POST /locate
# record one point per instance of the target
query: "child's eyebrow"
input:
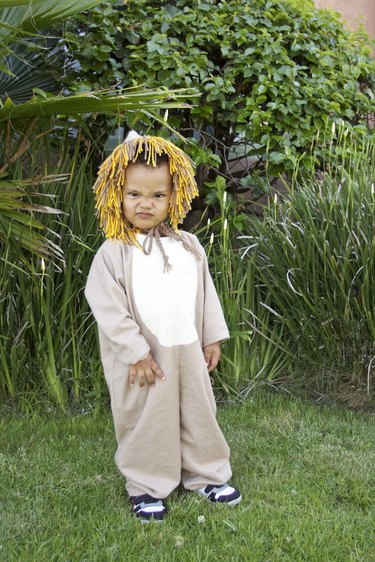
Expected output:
(129, 188)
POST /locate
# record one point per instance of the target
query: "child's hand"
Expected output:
(146, 370)
(212, 355)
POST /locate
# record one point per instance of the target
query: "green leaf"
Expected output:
(276, 157)
(95, 102)
(12, 3)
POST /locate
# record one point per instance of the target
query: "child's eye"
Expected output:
(159, 195)
(133, 194)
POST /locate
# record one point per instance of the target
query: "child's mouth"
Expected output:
(144, 215)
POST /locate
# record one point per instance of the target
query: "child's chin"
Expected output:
(146, 226)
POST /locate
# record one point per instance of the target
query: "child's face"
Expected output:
(146, 194)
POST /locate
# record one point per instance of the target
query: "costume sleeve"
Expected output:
(214, 326)
(106, 294)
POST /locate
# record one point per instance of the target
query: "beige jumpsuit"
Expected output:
(166, 433)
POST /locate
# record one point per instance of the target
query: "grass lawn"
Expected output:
(307, 475)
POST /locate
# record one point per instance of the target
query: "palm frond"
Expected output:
(35, 15)
(24, 70)
(18, 18)
(95, 102)
(12, 3)
(17, 225)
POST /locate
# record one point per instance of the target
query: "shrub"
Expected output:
(270, 73)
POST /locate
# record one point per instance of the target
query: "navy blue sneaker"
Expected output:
(221, 494)
(147, 508)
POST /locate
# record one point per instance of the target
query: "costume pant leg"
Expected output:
(168, 432)
(204, 451)
(147, 428)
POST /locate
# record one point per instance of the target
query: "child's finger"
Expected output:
(158, 372)
(132, 375)
(150, 375)
(141, 377)
(208, 358)
(213, 361)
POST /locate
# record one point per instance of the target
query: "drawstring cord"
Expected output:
(156, 233)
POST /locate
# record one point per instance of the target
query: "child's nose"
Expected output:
(145, 202)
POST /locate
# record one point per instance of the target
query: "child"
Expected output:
(160, 326)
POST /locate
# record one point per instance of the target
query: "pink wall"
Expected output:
(354, 12)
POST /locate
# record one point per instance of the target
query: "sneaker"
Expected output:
(146, 507)
(221, 494)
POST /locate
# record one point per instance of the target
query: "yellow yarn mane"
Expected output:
(111, 177)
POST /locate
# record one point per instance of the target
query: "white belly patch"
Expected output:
(166, 300)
